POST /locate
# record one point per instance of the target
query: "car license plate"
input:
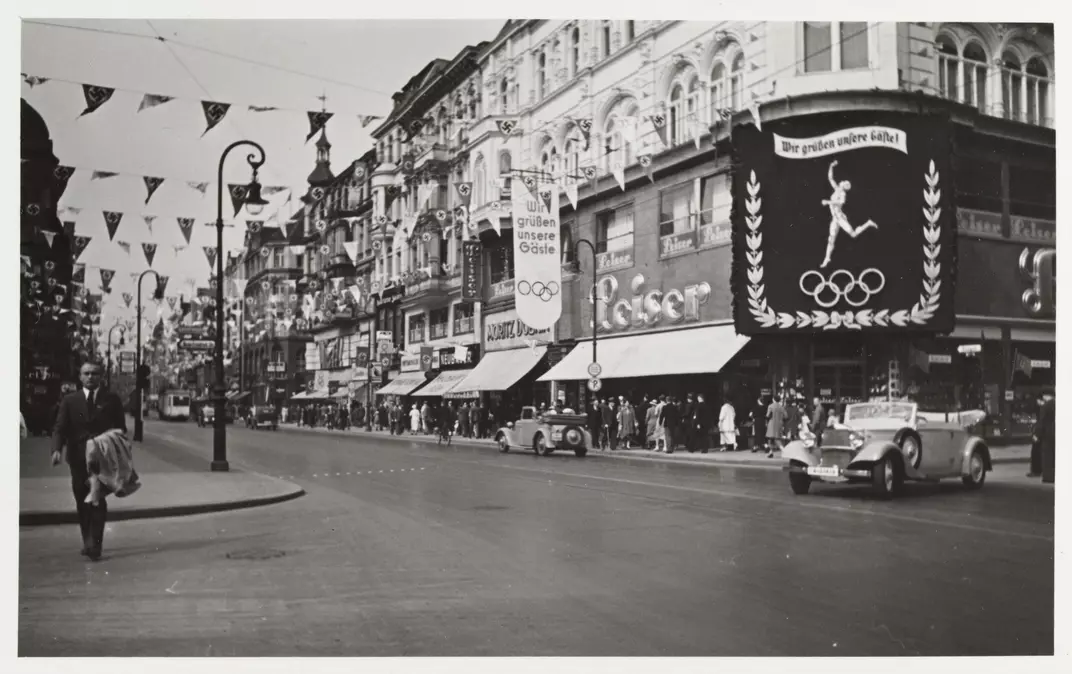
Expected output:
(823, 471)
(556, 435)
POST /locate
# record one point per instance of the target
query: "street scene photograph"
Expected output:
(529, 338)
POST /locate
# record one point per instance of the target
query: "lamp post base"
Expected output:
(220, 467)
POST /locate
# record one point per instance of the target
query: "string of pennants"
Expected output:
(214, 111)
(63, 174)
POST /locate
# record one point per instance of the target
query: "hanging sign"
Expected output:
(471, 276)
(537, 255)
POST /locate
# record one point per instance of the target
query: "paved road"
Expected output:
(402, 548)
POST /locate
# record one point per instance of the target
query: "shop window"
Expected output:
(416, 329)
(575, 51)
(978, 184)
(463, 318)
(501, 261)
(565, 237)
(614, 230)
(1033, 192)
(715, 199)
(437, 323)
(675, 210)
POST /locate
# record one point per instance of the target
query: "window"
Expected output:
(505, 167)
(676, 121)
(975, 76)
(1038, 92)
(565, 237)
(463, 318)
(978, 184)
(501, 259)
(948, 60)
(720, 98)
(504, 96)
(1032, 192)
(605, 39)
(675, 210)
(824, 53)
(277, 258)
(572, 157)
(541, 76)
(479, 181)
(737, 82)
(416, 328)
(630, 31)
(437, 320)
(618, 150)
(614, 230)
(715, 200)
(575, 51)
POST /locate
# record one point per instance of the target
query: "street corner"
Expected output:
(46, 501)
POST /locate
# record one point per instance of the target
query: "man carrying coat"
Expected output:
(82, 415)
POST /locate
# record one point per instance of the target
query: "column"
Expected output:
(994, 73)
(1023, 93)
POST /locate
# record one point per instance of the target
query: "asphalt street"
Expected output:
(408, 549)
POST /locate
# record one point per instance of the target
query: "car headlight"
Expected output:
(856, 440)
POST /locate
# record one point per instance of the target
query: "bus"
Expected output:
(174, 406)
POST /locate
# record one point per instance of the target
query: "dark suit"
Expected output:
(76, 423)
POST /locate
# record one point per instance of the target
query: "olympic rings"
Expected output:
(825, 287)
(539, 289)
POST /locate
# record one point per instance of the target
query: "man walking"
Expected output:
(82, 415)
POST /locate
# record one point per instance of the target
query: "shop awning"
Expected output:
(235, 396)
(499, 370)
(301, 396)
(654, 354)
(403, 384)
(443, 384)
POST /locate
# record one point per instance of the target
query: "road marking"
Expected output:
(336, 474)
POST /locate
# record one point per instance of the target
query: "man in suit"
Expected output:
(85, 414)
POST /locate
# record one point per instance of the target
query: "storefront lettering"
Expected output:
(1040, 269)
(647, 309)
(614, 259)
(507, 331)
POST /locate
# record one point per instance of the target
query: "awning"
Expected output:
(653, 354)
(341, 393)
(301, 396)
(403, 384)
(235, 397)
(499, 370)
(444, 383)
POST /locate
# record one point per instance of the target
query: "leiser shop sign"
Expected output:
(507, 331)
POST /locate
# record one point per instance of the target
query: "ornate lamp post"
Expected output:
(254, 205)
(138, 377)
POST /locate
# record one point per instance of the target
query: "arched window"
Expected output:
(1012, 85)
(480, 178)
(572, 159)
(630, 31)
(575, 51)
(677, 110)
(548, 160)
(720, 95)
(605, 39)
(948, 68)
(692, 102)
(505, 166)
(1037, 83)
(541, 76)
(619, 149)
(975, 76)
(737, 81)
(504, 96)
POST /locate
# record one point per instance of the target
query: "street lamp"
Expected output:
(595, 293)
(254, 205)
(122, 331)
(137, 357)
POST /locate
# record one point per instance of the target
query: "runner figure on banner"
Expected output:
(838, 219)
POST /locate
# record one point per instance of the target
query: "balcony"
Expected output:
(351, 208)
(422, 289)
(434, 152)
(463, 326)
(437, 331)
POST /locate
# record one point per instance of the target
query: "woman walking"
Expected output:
(414, 420)
(727, 427)
(626, 424)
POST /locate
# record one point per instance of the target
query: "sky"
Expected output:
(357, 65)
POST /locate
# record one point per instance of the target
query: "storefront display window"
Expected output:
(614, 230)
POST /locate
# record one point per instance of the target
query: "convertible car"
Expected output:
(545, 433)
(886, 443)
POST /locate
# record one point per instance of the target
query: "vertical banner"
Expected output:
(471, 268)
(426, 358)
(537, 256)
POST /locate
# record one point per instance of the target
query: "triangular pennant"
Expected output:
(210, 255)
(186, 226)
(171, 302)
(127, 299)
(530, 183)
(753, 107)
(645, 163)
(125, 246)
(106, 277)
(696, 126)
(95, 97)
(101, 175)
(112, 218)
(200, 187)
(506, 127)
(585, 127)
(571, 194)
(150, 252)
(238, 196)
(367, 119)
(153, 100)
(214, 114)
(351, 249)
(75, 210)
(465, 192)
(545, 197)
(80, 243)
(33, 80)
(273, 189)
(79, 274)
(149, 221)
(658, 122)
(619, 174)
(317, 120)
(151, 184)
(161, 283)
(63, 174)
(49, 237)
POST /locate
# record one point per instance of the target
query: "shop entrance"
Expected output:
(839, 373)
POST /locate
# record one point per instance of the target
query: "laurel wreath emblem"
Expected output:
(920, 313)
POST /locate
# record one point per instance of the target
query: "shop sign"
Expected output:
(614, 259)
(410, 363)
(469, 355)
(320, 380)
(940, 358)
(1040, 270)
(641, 307)
(471, 271)
(681, 242)
(358, 375)
(393, 294)
(502, 288)
(715, 234)
(988, 224)
(1044, 364)
(844, 223)
(506, 331)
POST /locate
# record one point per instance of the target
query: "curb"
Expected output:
(48, 517)
(621, 454)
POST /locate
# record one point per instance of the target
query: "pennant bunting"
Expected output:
(214, 114)
(186, 226)
(171, 302)
(149, 249)
(645, 163)
(95, 97)
(238, 196)
(33, 80)
(101, 175)
(753, 107)
(317, 120)
(125, 246)
(49, 237)
(149, 221)
(210, 255)
(254, 226)
(63, 175)
(112, 218)
(658, 123)
(127, 299)
(78, 275)
(619, 174)
(1022, 363)
(571, 194)
(584, 125)
(151, 184)
(262, 108)
(200, 187)
(153, 100)
(106, 278)
(80, 243)
(367, 119)
(161, 282)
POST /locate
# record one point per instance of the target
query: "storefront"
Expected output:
(450, 367)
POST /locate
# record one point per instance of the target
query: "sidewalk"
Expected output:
(168, 489)
(998, 455)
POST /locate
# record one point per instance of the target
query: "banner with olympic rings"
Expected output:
(537, 254)
(844, 222)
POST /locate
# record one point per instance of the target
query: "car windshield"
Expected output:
(879, 410)
(180, 400)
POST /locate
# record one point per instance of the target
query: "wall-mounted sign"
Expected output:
(426, 358)
(506, 331)
(641, 306)
(940, 358)
(537, 253)
(614, 259)
(472, 278)
(1040, 270)
(410, 362)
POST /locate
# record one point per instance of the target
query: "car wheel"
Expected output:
(580, 452)
(504, 446)
(912, 449)
(799, 483)
(539, 445)
(976, 471)
(884, 477)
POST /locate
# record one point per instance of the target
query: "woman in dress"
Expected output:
(727, 427)
(414, 420)
(626, 423)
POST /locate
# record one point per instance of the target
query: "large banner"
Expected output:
(537, 253)
(844, 222)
